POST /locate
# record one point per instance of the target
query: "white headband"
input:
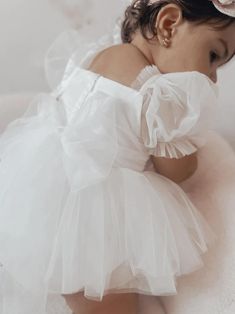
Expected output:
(225, 6)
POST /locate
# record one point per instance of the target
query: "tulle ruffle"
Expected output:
(70, 49)
(124, 230)
(74, 219)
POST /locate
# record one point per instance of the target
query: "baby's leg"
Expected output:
(118, 303)
(150, 305)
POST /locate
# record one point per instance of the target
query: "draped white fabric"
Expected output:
(77, 210)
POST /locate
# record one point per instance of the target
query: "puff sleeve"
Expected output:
(178, 108)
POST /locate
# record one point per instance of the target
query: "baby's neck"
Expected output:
(144, 47)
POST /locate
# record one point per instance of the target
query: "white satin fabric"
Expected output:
(78, 211)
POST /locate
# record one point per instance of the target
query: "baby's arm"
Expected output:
(175, 169)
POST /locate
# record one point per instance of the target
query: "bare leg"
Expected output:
(118, 303)
(150, 305)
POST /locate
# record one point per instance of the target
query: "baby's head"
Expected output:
(182, 35)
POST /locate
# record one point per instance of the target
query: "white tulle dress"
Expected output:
(78, 209)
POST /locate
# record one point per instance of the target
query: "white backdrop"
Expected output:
(28, 27)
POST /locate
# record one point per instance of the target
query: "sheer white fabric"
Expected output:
(178, 110)
(189, 112)
(77, 210)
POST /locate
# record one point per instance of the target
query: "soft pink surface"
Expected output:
(210, 290)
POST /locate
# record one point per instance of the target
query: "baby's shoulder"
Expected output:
(121, 63)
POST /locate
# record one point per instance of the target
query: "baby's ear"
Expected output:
(168, 19)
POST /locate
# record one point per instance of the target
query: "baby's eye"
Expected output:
(213, 56)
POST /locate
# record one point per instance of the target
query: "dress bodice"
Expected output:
(90, 97)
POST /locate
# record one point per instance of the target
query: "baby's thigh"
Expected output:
(117, 303)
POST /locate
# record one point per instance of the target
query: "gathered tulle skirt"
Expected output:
(130, 231)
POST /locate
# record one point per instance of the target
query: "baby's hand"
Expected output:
(175, 169)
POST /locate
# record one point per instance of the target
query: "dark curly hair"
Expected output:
(141, 14)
